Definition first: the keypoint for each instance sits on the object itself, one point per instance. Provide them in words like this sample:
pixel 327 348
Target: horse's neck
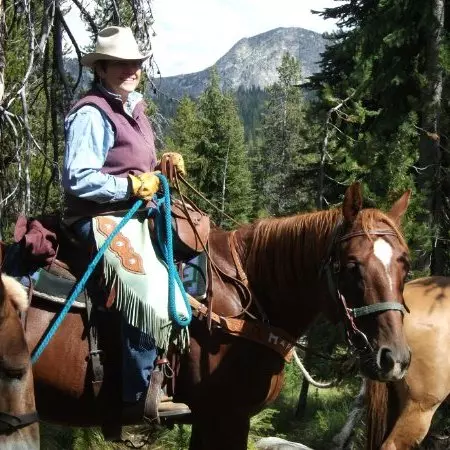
pixel 284 271
pixel 297 246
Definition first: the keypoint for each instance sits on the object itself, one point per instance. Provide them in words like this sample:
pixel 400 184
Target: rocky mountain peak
pixel 252 62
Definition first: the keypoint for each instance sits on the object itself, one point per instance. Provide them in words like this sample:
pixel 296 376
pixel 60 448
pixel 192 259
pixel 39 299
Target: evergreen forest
pixel 375 113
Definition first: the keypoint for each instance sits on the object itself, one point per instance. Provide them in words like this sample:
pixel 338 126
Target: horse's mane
pixel 293 247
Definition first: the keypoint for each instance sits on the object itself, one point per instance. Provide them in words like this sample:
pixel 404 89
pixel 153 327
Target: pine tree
pixel 184 135
pixel 210 135
pixel 282 181
pixel 224 172
pixel 372 85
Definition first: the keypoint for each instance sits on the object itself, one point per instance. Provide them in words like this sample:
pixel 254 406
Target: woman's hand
pixel 145 185
pixel 174 159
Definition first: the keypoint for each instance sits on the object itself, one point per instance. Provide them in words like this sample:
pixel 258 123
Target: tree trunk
pixel 430 180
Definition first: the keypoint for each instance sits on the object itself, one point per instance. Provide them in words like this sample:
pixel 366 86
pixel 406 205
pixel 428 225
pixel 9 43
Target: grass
pixel 325 414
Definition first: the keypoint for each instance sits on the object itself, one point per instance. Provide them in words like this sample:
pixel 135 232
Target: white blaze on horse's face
pixel 383 251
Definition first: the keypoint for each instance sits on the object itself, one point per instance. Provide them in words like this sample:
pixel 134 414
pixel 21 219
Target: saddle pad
pixel 51 287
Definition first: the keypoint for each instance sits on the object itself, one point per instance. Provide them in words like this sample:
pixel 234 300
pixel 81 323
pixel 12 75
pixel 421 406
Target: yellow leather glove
pixel 145 185
pixel 176 160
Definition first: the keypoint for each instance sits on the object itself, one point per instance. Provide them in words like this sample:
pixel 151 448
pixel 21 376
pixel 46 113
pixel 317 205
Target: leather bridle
pixel 331 269
pixel 10 423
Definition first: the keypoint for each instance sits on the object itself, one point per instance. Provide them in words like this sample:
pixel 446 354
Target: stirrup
pixel 153 396
pixel 157 404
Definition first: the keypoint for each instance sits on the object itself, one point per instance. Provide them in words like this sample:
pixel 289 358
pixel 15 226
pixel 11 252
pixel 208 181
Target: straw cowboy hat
pixel 114 44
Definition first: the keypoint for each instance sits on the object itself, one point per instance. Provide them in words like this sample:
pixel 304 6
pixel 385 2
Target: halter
pixel 331 267
pixel 10 423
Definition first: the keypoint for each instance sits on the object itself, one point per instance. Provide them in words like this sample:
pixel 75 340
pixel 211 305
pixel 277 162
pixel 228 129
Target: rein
pixel 331 267
pixel 197 192
pixel 240 283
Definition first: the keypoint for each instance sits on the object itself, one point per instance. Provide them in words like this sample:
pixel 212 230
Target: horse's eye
pixel 351 266
pixel 14 374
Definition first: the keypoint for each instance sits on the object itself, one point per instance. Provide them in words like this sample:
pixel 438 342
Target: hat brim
pixel 90 59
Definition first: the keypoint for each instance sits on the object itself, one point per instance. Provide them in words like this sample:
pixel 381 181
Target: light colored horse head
pixel 19 429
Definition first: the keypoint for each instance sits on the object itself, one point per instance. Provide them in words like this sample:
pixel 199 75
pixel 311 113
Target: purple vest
pixel 133 151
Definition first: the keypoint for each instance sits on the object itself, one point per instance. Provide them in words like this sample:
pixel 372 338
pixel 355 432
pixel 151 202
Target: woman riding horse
pixel 109 163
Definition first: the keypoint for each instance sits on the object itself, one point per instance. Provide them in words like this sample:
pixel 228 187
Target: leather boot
pixel 170 409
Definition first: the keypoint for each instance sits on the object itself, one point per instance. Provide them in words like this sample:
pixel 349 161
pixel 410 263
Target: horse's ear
pixel 399 208
pixel 352 202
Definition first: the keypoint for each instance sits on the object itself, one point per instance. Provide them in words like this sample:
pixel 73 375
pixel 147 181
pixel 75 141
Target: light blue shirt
pixel 89 136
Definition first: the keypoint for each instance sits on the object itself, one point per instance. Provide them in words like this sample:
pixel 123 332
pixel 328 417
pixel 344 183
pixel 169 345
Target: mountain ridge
pixel 252 62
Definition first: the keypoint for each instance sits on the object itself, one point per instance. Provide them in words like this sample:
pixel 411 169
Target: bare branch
pixel 86 16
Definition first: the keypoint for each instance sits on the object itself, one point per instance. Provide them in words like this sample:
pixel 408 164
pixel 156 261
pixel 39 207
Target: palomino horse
pixel 346 262
pixel 19 427
pixel 400 413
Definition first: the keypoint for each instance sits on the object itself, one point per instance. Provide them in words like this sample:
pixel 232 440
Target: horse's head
pixel 19 428
pixel 368 270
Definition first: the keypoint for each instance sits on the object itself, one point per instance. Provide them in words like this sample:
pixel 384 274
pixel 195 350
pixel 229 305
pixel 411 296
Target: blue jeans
pixel 138 349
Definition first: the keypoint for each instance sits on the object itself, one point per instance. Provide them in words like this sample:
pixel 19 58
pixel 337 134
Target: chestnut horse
pixel 347 262
pixel 19 427
pixel 400 413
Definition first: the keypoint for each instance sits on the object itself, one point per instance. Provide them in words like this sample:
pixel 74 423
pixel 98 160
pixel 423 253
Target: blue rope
pixel 81 283
pixel 166 245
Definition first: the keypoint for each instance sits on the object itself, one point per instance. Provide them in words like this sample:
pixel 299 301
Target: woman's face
pixel 120 77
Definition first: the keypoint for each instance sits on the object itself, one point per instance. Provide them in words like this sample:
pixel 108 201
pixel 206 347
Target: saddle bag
pixel 190 231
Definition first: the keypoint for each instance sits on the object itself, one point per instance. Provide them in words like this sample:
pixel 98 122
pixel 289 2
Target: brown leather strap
pixel 237 261
pixel 240 283
pixel 167 167
pixel 95 354
pixel 243 277
pixel 209 292
pixel 386 232
pixel 272 337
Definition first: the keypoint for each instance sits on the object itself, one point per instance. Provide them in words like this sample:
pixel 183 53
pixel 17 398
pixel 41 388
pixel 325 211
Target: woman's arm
pixel 89 137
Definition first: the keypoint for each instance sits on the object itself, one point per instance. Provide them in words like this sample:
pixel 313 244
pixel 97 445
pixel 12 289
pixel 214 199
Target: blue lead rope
pixel 167 247
pixel 81 283
pixel 164 222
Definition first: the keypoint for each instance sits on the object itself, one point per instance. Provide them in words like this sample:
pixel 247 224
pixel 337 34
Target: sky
pixel 192 35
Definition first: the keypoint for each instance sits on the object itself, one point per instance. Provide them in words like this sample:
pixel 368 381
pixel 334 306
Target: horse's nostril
pixel 386 361
pixel 405 364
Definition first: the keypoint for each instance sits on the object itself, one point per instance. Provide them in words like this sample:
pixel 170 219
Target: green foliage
pixel 211 137
pixel 262 425
pixel 283 176
pixel 31 129
pixel 374 75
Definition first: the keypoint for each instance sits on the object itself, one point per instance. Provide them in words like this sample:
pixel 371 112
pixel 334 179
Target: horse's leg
pixel 411 427
pixel 220 432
